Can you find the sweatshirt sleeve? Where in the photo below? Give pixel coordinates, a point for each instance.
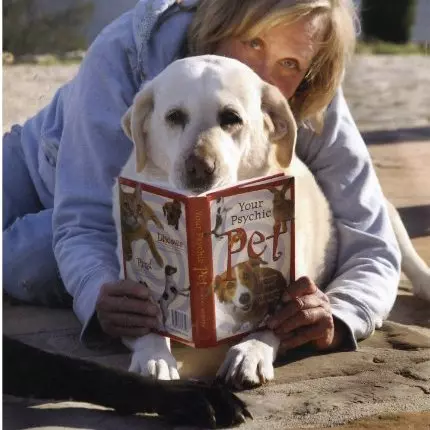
(364, 287)
(92, 151)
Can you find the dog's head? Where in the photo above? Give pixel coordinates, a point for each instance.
(170, 270)
(242, 288)
(210, 121)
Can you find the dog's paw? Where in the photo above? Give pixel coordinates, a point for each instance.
(249, 363)
(202, 405)
(161, 365)
(421, 285)
(151, 356)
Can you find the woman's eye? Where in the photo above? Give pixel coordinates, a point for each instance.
(290, 64)
(254, 43)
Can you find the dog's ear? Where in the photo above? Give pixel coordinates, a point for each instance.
(257, 261)
(134, 123)
(280, 123)
(217, 288)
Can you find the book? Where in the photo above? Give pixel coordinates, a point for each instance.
(215, 263)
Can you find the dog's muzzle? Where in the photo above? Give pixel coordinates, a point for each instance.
(200, 172)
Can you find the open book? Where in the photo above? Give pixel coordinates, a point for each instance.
(216, 263)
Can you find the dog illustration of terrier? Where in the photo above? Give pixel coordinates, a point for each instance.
(173, 211)
(252, 293)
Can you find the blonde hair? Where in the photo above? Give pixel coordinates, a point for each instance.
(217, 20)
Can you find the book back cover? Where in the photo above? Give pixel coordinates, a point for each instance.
(155, 249)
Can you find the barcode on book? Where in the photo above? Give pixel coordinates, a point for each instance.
(179, 320)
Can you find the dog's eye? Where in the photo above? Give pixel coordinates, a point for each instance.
(229, 118)
(177, 117)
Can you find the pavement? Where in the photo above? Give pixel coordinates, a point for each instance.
(385, 384)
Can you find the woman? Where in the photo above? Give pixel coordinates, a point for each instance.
(61, 164)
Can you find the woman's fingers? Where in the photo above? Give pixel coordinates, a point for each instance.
(301, 287)
(125, 308)
(127, 304)
(306, 317)
(298, 306)
(131, 320)
(126, 324)
(322, 332)
(126, 288)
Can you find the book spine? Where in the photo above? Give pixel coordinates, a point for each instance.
(201, 272)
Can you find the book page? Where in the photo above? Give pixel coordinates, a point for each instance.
(155, 252)
(253, 257)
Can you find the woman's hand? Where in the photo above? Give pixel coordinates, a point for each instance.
(125, 308)
(306, 317)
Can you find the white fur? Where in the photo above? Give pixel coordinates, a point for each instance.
(203, 86)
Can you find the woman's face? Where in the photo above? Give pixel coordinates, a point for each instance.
(281, 55)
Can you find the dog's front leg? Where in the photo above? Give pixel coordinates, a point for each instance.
(151, 356)
(250, 362)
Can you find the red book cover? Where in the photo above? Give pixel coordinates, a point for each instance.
(216, 263)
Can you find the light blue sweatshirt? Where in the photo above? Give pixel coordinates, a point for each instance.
(75, 147)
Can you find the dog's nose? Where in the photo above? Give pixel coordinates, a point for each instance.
(200, 171)
(244, 298)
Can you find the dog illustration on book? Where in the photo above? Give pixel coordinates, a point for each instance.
(135, 215)
(173, 211)
(252, 292)
(220, 217)
(171, 292)
(283, 208)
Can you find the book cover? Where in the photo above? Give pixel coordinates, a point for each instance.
(216, 263)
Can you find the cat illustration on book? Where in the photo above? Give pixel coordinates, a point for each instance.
(135, 216)
(283, 208)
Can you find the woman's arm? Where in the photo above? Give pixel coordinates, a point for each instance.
(364, 286)
(92, 151)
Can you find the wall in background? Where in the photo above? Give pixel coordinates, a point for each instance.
(107, 10)
(421, 30)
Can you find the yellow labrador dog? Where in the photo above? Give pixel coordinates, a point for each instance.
(210, 121)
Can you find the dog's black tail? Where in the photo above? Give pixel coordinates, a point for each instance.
(31, 372)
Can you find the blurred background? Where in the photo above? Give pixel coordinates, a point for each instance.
(387, 84)
(58, 26)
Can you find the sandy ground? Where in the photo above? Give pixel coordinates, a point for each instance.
(383, 385)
